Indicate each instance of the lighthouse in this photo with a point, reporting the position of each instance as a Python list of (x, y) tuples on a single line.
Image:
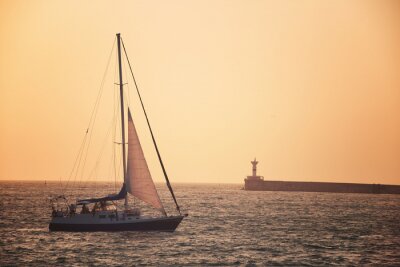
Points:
[(254, 163), (255, 181)]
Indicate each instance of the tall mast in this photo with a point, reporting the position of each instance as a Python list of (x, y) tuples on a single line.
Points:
[(121, 91)]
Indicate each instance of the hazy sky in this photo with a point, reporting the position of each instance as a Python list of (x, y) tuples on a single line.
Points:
[(310, 88)]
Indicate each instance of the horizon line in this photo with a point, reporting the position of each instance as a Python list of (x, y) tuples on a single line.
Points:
[(187, 182)]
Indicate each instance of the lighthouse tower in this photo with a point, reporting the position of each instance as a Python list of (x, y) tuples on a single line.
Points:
[(253, 182), (254, 162)]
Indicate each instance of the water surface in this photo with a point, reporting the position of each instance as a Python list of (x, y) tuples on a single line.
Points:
[(226, 226)]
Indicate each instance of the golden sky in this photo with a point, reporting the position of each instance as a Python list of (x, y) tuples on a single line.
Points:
[(310, 88)]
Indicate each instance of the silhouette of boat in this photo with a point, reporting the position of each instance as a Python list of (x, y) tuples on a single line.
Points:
[(104, 215)]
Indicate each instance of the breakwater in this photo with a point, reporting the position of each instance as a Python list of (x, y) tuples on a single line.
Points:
[(263, 185)]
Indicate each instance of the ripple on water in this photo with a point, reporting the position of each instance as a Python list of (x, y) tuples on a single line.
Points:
[(226, 226)]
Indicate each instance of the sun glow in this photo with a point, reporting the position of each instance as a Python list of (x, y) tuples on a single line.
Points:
[(309, 87)]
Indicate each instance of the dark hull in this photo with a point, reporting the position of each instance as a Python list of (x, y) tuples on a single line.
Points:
[(168, 224)]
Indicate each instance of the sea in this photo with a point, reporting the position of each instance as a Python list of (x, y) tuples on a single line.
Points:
[(226, 226)]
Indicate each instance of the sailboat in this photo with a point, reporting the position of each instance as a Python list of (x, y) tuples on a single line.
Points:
[(100, 214)]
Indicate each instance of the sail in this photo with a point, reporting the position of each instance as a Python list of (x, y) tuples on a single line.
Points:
[(138, 181)]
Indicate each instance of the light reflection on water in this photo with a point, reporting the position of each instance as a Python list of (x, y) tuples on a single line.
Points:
[(226, 226)]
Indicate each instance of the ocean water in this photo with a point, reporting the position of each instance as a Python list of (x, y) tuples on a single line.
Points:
[(226, 226)]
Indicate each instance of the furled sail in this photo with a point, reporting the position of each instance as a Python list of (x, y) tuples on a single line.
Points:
[(112, 197), (138, 181)]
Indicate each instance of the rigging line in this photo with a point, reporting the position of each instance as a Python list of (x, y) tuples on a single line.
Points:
[(94, 112), (114, 160), (113, 139), (75, 163), (127, 83), (79, 164), (116, 107), (109, 174), (118, 159), (151, 132), (99, 157), (102, 84), (114, 147)]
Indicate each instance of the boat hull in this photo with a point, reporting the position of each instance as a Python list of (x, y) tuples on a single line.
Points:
[(163, 224)]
